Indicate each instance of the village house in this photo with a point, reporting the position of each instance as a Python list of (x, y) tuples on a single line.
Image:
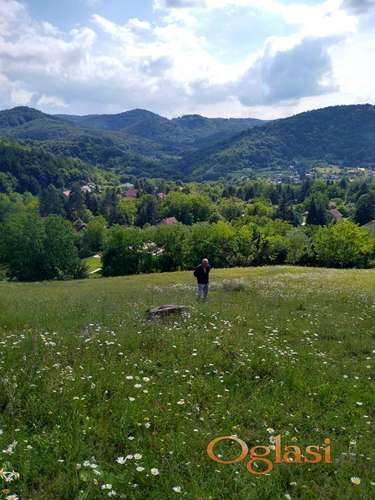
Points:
[(169, 221), (131, 194), (335, 214), (86, 189)]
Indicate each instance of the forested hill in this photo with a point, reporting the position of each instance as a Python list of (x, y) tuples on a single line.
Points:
[(106, 149), (136, 143), (193, 147), (341, 135), (25, 168), (182, 134)]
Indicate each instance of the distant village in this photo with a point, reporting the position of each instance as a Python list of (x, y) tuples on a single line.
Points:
[(293, 176)]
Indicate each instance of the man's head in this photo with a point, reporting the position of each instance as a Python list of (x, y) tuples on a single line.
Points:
[(205, 263)]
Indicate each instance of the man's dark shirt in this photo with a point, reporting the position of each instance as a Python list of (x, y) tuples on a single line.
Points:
[(202, 274)]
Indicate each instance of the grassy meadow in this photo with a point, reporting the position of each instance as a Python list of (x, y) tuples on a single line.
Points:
[(97, 401)]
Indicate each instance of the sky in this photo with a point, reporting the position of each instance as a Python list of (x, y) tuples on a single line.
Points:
[(231, 58)]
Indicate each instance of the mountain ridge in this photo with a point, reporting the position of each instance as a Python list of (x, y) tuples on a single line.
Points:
[(144, 144)]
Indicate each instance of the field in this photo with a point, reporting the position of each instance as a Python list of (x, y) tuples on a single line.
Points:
[(97, 401)]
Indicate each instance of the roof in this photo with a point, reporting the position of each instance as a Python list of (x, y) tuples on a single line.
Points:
[(336, 214), (169, 220), (131, 193)]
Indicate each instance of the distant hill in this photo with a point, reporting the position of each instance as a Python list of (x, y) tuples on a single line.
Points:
[(186, 133), (340, 135), (136, 142), (26, 168), (145, 144), (111, 150)]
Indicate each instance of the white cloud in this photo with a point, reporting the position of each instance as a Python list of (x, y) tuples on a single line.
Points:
[(359, 6), (303, 70), (137, 24), (51, 101), (20, 97), (170, 67)]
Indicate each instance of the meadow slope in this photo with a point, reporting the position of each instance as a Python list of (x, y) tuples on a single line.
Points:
[(86, 379)]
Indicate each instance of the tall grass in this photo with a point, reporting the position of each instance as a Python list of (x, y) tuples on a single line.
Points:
[(96, 400)]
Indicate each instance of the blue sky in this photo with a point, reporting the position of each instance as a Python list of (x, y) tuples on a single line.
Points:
[(67, 13), (261, 58)]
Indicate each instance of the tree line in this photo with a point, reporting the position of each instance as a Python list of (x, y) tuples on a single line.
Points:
[(40, 238)]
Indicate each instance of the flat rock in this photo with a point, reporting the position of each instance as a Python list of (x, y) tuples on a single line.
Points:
[(166, 310)]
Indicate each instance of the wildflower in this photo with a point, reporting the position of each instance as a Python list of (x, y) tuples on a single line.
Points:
[(355, 480), (177, 489), (112, 493), (140, 469), (106, 487), (13, 496), (9, 476), (137, 456), (10, 449), (155, 472), (121, 460)]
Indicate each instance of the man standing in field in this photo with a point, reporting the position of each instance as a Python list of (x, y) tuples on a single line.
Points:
[(202, 274)]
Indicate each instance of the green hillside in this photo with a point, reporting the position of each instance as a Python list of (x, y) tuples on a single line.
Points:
[(86, 379), (180, 135), (136, 143), (29, 168), (193, 147), (104, 149), (340, 135)]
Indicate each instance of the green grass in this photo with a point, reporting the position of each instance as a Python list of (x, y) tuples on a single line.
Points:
[(92, 264), (291, 351)]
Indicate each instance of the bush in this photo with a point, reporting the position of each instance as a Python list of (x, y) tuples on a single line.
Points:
[(343, 245)]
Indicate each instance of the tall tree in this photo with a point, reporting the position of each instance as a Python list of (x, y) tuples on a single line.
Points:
[(51, 202), (75, 204), (146, 210), (317, 213), (365, 208)]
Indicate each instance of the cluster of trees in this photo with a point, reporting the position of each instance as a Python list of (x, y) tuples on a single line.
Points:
[(30, 169), (191, 203), (35, 249), (254, 223), (260, 242)]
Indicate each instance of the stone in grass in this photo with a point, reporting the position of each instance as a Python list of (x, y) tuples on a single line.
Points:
[(166, 310)]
